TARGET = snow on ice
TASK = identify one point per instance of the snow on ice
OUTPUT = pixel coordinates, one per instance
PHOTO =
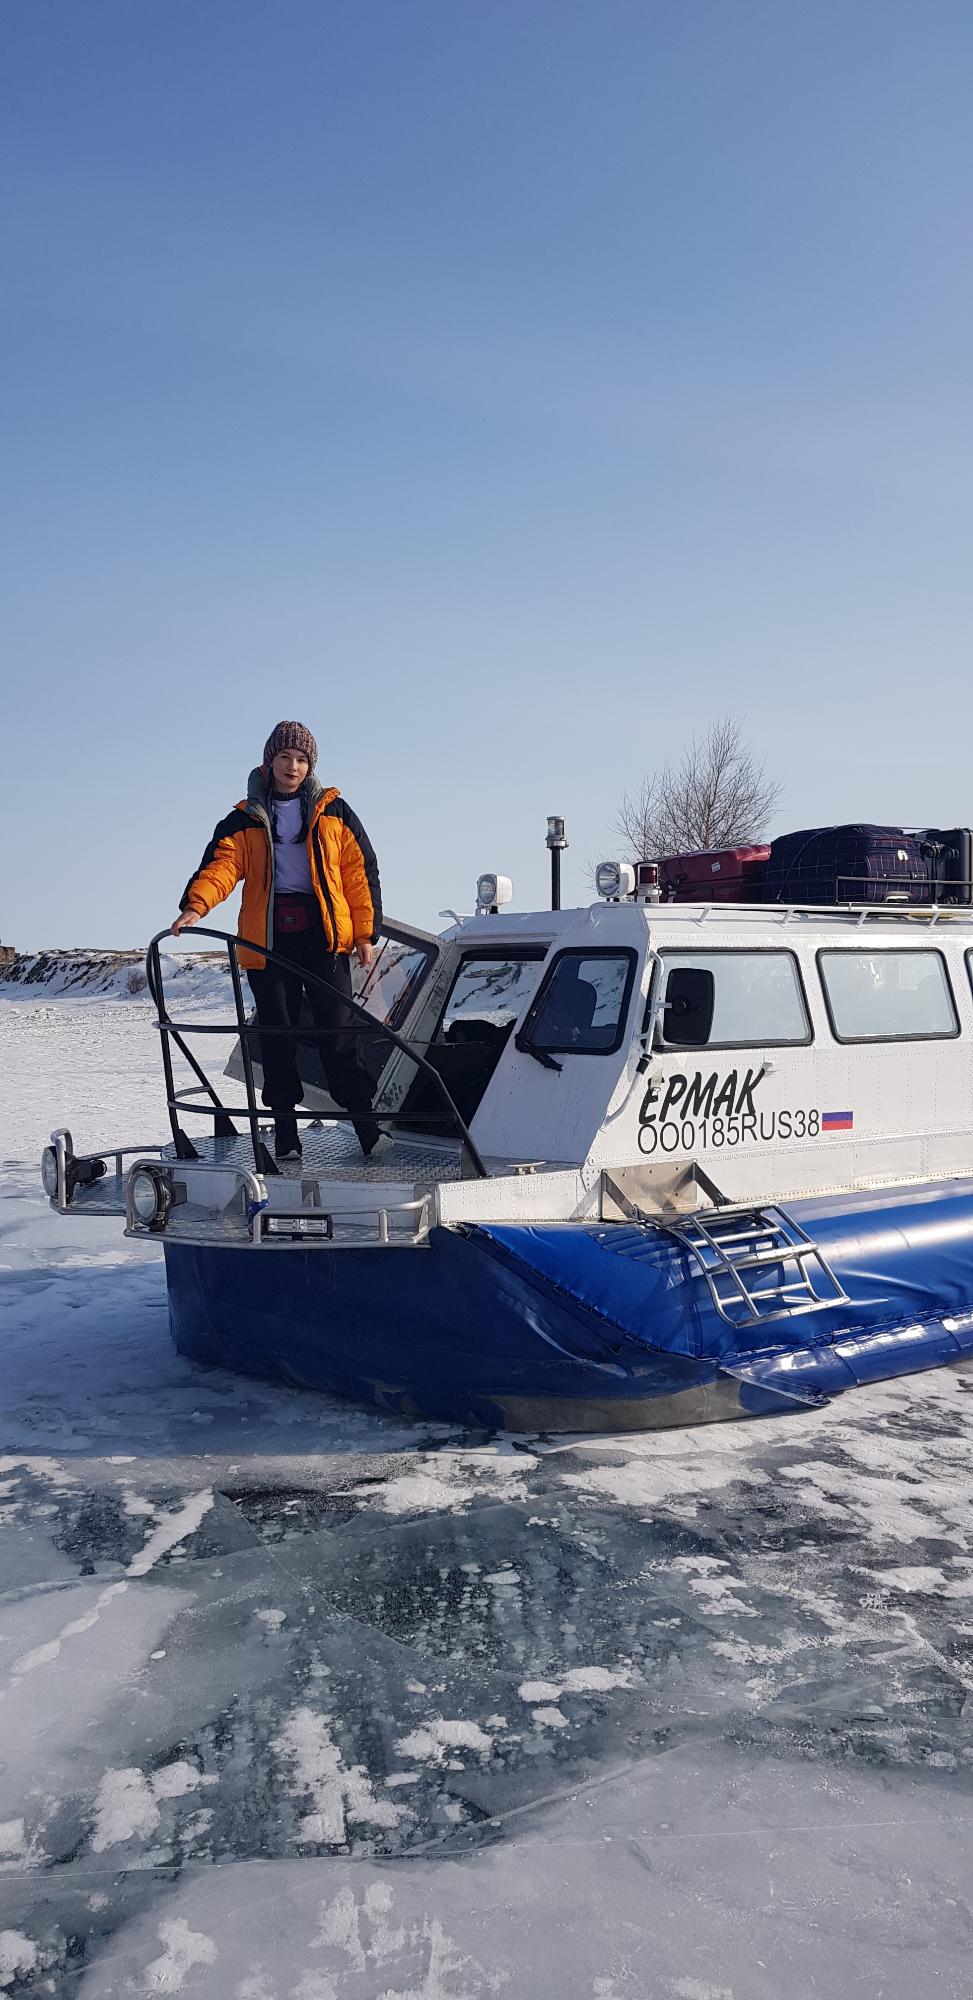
(300, 1703)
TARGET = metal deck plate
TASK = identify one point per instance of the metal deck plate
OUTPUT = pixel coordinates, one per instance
(332, 1153)
(104, 1197)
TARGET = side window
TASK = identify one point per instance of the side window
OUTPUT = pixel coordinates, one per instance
(733, 999)
(888, 996)
(582, 1006)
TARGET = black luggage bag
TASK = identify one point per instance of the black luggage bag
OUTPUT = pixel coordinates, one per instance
(848, 864)
(949, 857)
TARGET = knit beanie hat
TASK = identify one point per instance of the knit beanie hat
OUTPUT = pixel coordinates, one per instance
(291, 736)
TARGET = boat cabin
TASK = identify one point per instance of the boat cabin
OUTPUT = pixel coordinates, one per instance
(781, 1051)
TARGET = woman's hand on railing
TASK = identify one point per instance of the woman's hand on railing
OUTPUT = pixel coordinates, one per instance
(183, 922)
(366, 951)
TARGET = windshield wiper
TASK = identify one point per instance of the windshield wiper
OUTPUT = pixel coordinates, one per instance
(539, 1055)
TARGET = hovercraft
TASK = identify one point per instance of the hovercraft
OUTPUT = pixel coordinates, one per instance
(650, 1164)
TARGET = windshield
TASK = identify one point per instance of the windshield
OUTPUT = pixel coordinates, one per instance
(388, 988)
(389, 985)
(488, 993)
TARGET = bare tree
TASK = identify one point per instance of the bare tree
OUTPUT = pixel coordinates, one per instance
(718, 796)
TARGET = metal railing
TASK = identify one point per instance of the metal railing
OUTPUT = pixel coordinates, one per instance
(248, 1031)
(898, 891)
(840, 891)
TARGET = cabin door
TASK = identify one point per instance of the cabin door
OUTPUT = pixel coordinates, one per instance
(562, 1069)
(406, 982)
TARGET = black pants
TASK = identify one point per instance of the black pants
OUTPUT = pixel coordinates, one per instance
(278, 994)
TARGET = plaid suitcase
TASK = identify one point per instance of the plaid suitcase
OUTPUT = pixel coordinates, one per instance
(848, 864)
(724, 875)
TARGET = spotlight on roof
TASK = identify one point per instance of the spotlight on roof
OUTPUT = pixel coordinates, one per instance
(614, 879)
(491, 892)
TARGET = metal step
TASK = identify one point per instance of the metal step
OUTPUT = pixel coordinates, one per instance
(724, 1243)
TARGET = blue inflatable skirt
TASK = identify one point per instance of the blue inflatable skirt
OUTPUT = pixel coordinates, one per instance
(584, 1326)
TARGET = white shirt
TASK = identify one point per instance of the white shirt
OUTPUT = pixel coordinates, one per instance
(292, 863)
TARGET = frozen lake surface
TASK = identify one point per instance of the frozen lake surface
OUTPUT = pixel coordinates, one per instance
(300, 1704)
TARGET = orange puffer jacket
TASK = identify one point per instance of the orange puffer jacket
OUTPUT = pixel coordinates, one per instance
(344, 871)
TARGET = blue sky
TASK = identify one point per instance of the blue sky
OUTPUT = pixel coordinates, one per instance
(503, 387)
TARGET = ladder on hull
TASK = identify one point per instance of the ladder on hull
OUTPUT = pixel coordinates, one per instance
(758, 1263)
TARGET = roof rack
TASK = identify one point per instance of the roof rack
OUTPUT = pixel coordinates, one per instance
(854, 914)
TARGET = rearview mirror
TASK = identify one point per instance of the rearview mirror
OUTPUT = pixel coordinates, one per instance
(687, 1010)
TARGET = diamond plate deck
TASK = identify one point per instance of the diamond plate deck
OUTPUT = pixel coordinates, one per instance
(104, 1197)
(332, 1153)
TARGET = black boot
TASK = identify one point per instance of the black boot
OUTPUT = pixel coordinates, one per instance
(287, 1144)
(374, 1142)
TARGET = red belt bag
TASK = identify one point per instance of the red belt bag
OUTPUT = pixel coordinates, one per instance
(294, 913)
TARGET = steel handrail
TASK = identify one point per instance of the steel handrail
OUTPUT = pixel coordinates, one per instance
(245, 1029)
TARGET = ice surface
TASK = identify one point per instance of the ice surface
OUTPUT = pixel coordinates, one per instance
(297, 1703)
(656, 1882)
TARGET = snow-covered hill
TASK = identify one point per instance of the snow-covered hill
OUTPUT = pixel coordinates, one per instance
(112, 975)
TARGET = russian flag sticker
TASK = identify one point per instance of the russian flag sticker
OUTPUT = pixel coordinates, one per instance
(837, 1121)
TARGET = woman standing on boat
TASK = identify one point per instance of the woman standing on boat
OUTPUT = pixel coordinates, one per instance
(310, 891)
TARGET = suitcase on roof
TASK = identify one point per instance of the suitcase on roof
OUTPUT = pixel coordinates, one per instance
(848, 864)
(949, 857)
(719, 875)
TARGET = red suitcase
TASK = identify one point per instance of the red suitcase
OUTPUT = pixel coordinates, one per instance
(732, 875)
